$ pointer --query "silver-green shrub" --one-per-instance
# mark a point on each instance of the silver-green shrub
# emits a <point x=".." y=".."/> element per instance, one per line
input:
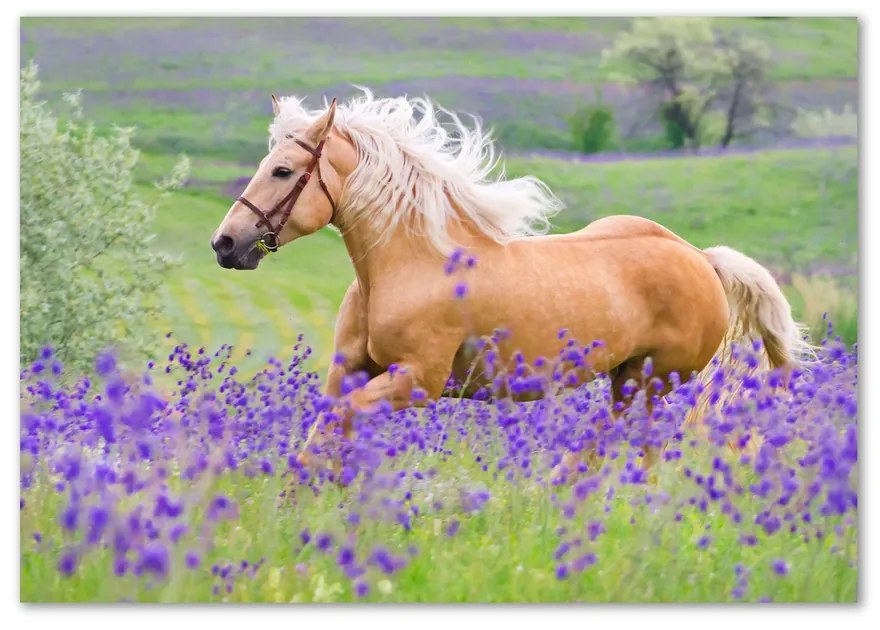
<point x="89" y="269"/>
<point x="826" y="123"/>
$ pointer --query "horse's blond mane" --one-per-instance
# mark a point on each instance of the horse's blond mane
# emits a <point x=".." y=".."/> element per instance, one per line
<point x="422" y="172"/>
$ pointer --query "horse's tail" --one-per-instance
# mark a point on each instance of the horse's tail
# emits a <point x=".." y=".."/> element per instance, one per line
<point x="757" y="306"/>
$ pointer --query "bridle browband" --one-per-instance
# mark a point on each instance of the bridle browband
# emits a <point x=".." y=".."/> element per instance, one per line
<point x="271" y="238"/>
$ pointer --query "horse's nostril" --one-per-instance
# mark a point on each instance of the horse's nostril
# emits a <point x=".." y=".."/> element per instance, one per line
<point x="223" y="245"/>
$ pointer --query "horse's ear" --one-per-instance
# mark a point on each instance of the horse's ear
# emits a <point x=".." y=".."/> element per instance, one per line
<point x="276" y="107"/>
<point x="320" y="129"/>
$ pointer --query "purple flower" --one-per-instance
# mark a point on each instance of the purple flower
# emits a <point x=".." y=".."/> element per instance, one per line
<point x="116" y="390"/>
<point x="561" y="550"/>
<point x="353" y="571"/>
<point x="192" y="560"/>
<point x="460" y="290"/>
<point x="67" y="563"/>
<point x="98" y="519"/>
<point x="345" y="556"/>
<point x="105" y="363"/>
<point x="70" y="517"/>
<point x="562" y="572"/>
<point x="177" y="532"/>
<point x="404" y="520"/>
<point x="167" y="507"/>
<point x="104" y="425"/>
<point x="586" y="560"/>
<point x="222" y="508"/>
<point x="154" y="559"/>
<point x="780" y="567"/>
<point x="361" y="589"/>
<point x="323" y="542"/>
<point x="474" y="501"/>
<point x="120" y="565"/>
<point x="385" y="561"/>
<point x="749" y="540"/>
<point x="452" y="527"/>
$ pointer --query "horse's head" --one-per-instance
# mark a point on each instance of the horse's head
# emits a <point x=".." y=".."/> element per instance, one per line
<point x="293" y="193"/>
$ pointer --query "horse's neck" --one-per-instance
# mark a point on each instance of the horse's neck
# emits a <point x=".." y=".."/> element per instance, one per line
<point x="380" y="257"/>
<point x="374" y="259"/>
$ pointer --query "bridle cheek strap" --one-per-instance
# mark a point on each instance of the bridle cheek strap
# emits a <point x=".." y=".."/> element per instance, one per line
<point x="271" y="238"/>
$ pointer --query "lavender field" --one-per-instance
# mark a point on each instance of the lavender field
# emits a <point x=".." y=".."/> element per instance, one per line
<point x="131" y="493"/>
<point x="173" y="477"/>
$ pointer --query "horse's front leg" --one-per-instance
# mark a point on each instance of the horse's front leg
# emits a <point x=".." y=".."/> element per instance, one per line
<point x="395" y="387"/>
<point x="350" y="357"/>
<point x="398" y="388"/>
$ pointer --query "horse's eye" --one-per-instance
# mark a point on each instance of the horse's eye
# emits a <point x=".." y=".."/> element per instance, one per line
<point x="282" y="172"/>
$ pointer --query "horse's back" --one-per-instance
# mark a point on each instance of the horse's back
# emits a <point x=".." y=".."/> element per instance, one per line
<point x="625" y="226"/>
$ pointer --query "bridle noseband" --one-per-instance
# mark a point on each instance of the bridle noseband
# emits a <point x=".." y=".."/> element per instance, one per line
<point x="271" y="238"/>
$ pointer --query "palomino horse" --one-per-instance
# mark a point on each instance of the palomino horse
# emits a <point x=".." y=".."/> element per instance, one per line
<point x="404" y="192"/>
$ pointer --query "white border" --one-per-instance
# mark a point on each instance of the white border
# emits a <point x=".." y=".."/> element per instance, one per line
<point x="423" y="617"/>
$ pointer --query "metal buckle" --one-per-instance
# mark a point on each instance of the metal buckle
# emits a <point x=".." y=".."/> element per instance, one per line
<point x="269" y="241"/>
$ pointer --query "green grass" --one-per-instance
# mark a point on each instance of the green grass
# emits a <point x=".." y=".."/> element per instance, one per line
<point x="504" y="553"/>
<point x="751" y="202"/>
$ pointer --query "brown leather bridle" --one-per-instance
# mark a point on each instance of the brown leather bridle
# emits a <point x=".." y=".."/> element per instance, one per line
<point x="271" y="238"/>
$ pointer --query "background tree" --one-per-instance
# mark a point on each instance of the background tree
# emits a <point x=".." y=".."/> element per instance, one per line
<point x="741" y="85"/>
<point x="692" y="71"/>
<point x="89" y="271"/>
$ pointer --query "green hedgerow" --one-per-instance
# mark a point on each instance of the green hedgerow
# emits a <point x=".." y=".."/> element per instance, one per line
<point x="89" y="272"/>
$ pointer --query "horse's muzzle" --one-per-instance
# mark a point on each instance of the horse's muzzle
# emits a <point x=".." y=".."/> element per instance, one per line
<point x="232" y="256"/>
